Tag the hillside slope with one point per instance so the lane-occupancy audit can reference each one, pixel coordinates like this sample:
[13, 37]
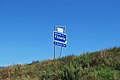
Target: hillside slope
[100, 65]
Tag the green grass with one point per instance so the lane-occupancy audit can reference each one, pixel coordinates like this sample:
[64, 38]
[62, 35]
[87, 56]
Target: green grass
[100, 65]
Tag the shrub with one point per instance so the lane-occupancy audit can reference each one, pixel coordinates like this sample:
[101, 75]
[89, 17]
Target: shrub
[70, 72]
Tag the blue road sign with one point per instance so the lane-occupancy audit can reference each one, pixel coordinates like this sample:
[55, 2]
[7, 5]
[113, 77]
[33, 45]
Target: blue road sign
[60, 37]
[60, 44]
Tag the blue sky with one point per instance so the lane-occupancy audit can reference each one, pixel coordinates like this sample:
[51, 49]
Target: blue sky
[26, 28]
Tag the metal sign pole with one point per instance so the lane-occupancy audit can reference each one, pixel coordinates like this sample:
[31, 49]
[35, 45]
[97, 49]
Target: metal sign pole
[54, 49]
[54, 44]
[61, 52]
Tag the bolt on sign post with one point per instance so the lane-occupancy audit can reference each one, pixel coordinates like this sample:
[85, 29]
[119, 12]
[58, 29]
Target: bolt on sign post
[60, 38]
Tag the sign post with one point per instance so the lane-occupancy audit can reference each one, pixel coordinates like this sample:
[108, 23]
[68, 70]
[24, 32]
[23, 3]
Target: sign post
[54, 46]
[61, 52]
[60, 38]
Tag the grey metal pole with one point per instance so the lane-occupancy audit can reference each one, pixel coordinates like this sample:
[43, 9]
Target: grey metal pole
[61, 52]
[54, 44]
[54, 49]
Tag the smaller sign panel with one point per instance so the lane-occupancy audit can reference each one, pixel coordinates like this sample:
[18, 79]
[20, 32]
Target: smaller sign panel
[60, 44]
[60, 30]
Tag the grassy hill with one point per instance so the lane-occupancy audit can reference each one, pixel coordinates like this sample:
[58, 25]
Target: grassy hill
[100, 65]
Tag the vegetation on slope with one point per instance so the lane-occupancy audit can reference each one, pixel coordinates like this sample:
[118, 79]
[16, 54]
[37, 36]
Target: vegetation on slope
[100, 65]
